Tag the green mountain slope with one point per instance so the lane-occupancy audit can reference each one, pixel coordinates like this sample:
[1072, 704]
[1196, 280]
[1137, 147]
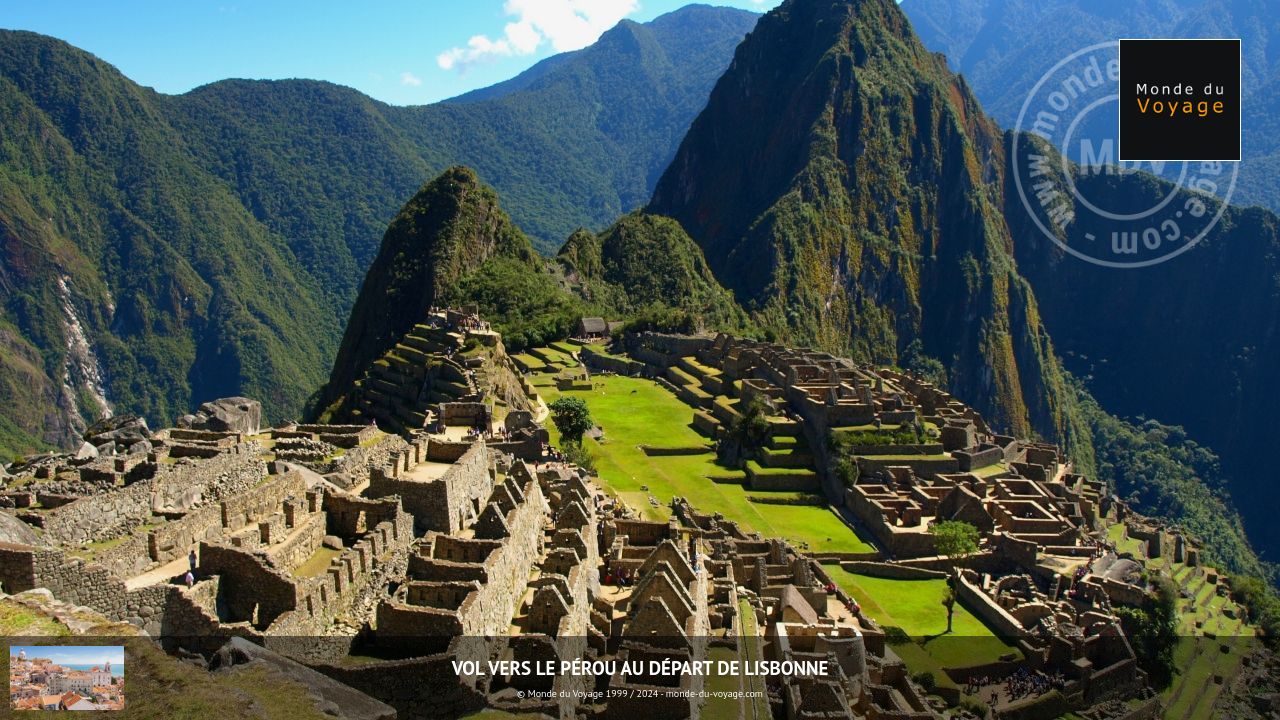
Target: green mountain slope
[1194, 340]
[854, 211]
[137, 276]
[1004, 46]
[645, 261]
[451, 226]
[160, 251]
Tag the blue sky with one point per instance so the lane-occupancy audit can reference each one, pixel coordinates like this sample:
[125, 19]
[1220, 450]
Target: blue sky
[401, 51]
[74, 654]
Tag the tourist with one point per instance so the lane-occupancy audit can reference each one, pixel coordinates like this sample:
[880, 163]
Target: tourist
[189, 579]
[191, 558]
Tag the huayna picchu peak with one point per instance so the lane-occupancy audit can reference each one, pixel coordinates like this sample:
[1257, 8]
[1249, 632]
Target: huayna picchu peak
[453, 225]
[839, 183]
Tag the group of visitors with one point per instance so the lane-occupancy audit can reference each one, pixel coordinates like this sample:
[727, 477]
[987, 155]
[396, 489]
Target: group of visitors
[849, 603]
[621, 578]
[190, 578]
[1019, 684]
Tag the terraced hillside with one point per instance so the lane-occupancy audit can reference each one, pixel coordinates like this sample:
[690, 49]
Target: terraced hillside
[653, 447]
[428, 366]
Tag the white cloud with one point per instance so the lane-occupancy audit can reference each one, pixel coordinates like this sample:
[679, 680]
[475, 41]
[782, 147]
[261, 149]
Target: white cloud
[408, 78]
[564, 24]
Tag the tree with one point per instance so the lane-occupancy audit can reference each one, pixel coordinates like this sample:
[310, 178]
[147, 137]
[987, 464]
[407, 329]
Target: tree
[1152, 631]
[572, 418]
[955, 540]
[747, 432]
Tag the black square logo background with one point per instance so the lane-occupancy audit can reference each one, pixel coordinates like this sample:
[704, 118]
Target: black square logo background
[1182, 136]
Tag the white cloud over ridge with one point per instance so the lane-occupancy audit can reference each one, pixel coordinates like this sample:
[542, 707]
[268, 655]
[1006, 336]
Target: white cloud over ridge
[565, 24]
[408, 78]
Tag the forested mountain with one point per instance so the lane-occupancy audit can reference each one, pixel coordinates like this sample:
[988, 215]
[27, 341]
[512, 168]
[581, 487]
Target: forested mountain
[131, 275]
[1193, 340]
[453, 244]
[853, 211]
[1002, 47]
[452, 226]
[161, 250]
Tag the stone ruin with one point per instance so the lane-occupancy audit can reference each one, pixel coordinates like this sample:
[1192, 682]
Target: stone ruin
[453, 539]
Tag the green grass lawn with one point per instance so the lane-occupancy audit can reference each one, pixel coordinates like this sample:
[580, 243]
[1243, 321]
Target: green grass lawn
[916, 607]
[532, 363]
[317, 564]
[990, 470]
[634, 412]
[18, 619]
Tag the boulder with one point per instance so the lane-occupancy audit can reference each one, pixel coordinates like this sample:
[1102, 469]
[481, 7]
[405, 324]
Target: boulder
[232, 414]
[331, 697]
[142, 446]
[312, 478]
[122, 430]
[13, 530]
[86, 452]
[333, 542]
[340, 479]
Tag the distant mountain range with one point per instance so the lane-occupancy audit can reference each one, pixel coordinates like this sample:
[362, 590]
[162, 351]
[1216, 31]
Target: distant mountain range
[1002, 47]
[1195, 340]
[161, 250]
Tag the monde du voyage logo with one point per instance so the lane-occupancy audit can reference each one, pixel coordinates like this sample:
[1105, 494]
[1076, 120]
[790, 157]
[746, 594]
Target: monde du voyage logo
[1107, 113]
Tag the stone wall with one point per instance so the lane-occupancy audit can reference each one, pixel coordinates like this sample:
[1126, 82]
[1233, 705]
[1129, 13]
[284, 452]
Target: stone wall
[109, 515]
[979, 458]
[610, 363]
[213, 520]
[352, 579]
[981, 605]
[227, 473]
[447, 452]
[895, 543]
[359, 461]
[249, 589]
[172, 539]
[443, 504]
[247, 508]
[300, 544]
[488, 609]
[129, 558]
[100, 517]
[351, 516]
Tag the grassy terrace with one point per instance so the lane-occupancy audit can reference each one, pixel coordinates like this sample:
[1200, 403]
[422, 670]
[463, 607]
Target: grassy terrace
[991, 470]
[635, 412]
[1211, 644]
[17, 619]
[317, 564]
[916, 607]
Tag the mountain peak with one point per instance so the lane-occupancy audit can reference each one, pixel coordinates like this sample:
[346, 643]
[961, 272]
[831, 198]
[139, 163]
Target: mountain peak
[852, 210]
[451, 225]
